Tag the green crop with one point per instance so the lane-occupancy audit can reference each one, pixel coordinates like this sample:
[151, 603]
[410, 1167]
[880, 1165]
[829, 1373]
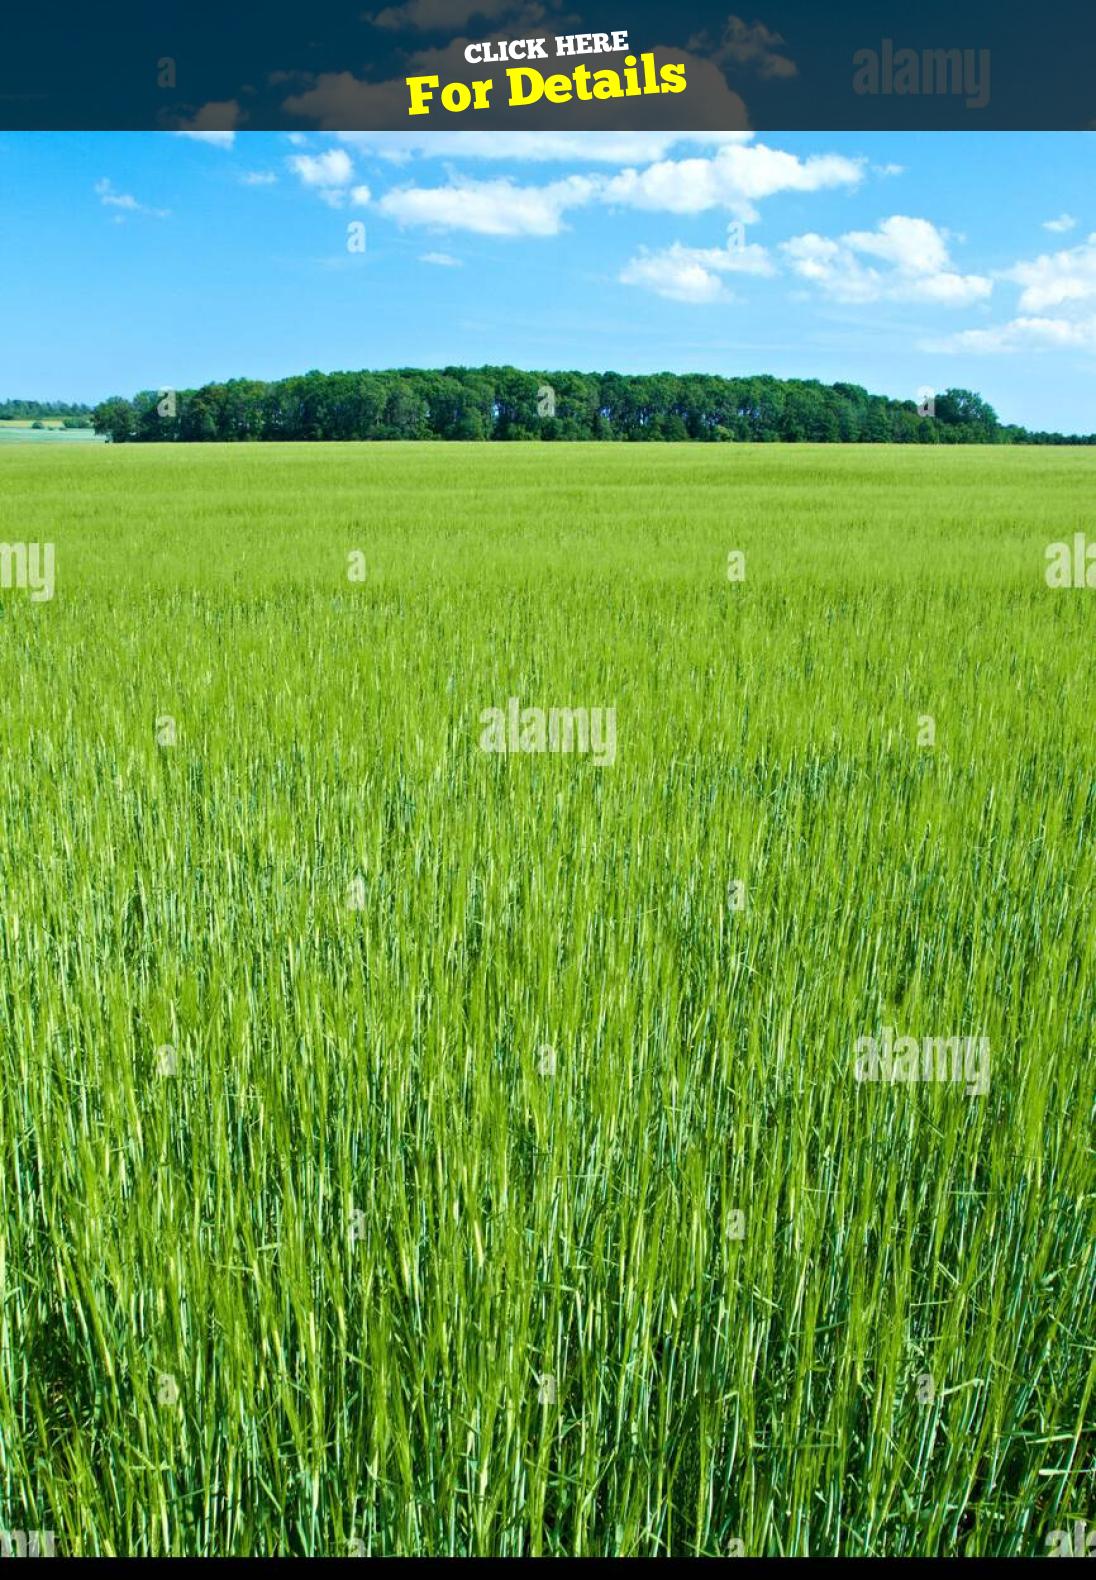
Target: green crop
[406, 1148]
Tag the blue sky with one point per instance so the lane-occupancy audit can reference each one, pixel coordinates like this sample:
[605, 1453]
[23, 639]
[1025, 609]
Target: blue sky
[893, 260]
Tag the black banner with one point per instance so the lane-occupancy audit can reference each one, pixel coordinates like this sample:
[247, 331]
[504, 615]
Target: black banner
[428, 65]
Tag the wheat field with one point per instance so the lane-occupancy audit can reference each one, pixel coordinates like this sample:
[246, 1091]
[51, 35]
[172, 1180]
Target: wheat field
[410, 1148]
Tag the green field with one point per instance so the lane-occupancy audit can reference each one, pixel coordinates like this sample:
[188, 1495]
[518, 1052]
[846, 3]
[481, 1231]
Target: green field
[51, 432]
[406, 1148]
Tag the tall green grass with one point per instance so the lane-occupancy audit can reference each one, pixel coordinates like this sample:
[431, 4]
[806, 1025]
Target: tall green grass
[363, 1274]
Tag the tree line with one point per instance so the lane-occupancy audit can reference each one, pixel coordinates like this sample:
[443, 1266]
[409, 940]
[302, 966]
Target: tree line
[70, 413]
[508, 404]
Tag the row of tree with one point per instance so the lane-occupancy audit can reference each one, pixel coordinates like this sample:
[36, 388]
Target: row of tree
[72, 414]
[506, 403]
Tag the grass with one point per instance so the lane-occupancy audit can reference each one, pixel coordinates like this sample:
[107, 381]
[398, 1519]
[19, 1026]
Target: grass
[364, 1274]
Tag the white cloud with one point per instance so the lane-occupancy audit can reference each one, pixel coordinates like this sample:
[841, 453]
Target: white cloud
[215, 139]
[491, 208]
[329, 175]
[918, 265]
[736, 178]
[674, 274]
[1065, 280]
[911, 245]
[124, 200]
[1064, 222]
[331, 169]
[693, 274]
[1055, 278]
[443, 260]
[593, 147]
[258, 178]
[1024, 334]
[111, 199]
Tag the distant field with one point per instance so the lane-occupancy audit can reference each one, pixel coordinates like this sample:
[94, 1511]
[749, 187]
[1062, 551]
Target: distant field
[408, 1148]
[15, 430]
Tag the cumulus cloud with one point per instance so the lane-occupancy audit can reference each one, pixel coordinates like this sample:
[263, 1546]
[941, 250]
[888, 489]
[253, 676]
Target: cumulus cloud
[491, 208]
[442, 260]
[330, 175]
[694, 274]
[331, 169]
[753, 47]
[215, 139]
[1055, 278]
[736, 177]
[1064, 222]
[916, 265]
[1024, 334]
[543, 147]
[258, 178]
[214, 123]
[1065, 281]
[125, 201]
